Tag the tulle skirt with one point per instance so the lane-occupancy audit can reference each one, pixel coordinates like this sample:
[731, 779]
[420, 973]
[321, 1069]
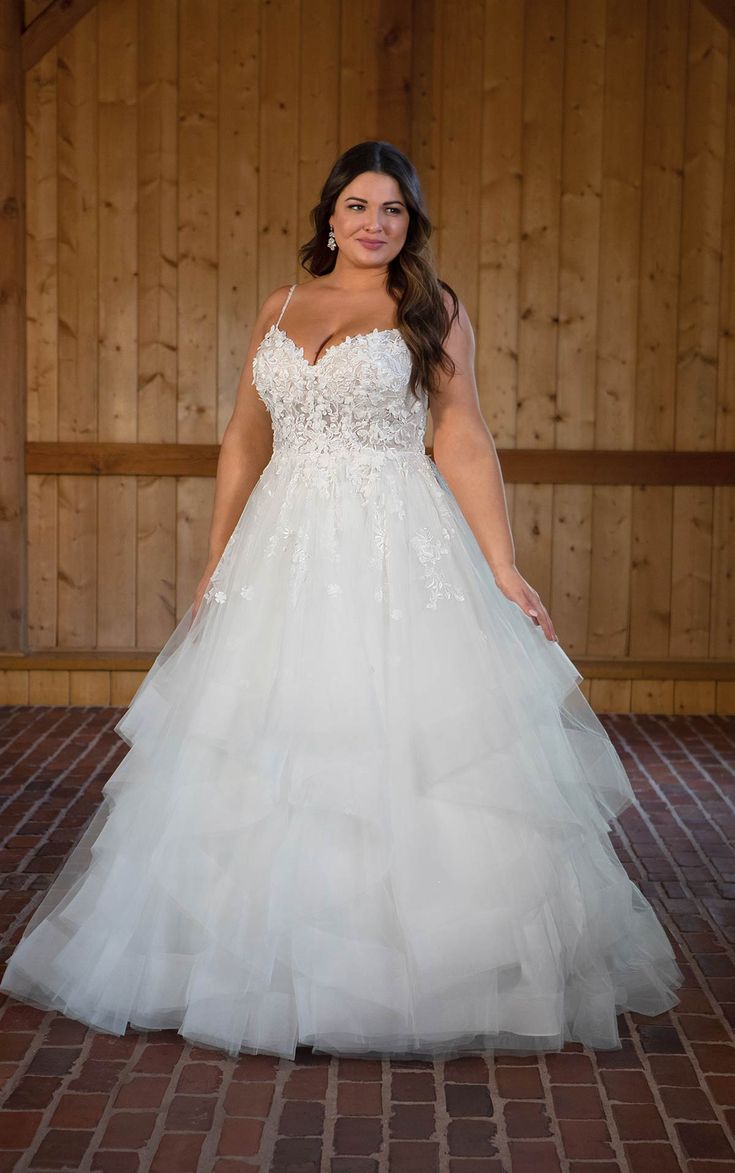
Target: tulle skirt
[365, 807]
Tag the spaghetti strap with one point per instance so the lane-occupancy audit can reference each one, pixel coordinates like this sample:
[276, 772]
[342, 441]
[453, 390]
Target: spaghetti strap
[283, 307]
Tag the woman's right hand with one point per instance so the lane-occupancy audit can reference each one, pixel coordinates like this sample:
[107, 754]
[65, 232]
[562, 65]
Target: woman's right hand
[203, 584]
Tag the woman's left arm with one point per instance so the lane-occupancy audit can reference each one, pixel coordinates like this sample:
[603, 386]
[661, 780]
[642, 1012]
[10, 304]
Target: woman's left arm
[465, 454]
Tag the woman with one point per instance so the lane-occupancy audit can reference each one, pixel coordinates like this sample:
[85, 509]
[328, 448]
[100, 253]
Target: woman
[366, 806]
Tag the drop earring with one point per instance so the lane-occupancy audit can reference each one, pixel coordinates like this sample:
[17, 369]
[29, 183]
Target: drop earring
[331, 242]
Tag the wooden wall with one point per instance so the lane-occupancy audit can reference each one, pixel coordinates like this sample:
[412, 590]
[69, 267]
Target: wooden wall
[578, 160]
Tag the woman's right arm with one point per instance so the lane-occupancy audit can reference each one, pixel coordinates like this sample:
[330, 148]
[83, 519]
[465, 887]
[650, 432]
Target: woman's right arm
[246, 448]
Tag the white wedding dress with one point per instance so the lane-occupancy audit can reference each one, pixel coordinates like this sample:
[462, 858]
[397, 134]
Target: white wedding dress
[365, 806]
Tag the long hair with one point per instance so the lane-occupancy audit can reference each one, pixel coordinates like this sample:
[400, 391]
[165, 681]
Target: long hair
[421, 314]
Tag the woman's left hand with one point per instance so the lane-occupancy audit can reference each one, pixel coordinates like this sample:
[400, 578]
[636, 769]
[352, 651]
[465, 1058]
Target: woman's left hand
[514, 587]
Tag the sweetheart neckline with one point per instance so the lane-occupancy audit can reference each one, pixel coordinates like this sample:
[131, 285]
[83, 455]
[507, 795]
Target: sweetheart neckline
[348, 338]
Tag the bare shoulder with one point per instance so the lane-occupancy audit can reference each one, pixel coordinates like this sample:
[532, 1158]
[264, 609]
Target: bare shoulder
[272, 306]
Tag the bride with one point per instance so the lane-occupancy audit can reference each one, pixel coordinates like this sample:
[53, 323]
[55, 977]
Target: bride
[366, 806]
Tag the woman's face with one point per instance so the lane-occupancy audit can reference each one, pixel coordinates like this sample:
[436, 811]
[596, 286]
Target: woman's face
[370, 220]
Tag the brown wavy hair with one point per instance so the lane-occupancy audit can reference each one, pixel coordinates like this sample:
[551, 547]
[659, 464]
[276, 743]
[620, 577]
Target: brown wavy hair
[422, 316]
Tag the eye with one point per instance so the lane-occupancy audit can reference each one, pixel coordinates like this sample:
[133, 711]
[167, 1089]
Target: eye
[355, 207]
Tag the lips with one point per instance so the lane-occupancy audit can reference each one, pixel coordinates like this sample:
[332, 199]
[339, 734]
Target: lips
[371, 243]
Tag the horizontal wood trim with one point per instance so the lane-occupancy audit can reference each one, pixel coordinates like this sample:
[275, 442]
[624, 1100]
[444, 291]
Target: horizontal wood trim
[53, 23]
[593, 667]
[560, 466]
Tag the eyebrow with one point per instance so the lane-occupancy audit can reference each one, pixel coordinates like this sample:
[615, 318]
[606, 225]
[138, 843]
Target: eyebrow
[364, 201]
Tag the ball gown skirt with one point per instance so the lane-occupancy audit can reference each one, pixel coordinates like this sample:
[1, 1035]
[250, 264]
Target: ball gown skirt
[365, 805]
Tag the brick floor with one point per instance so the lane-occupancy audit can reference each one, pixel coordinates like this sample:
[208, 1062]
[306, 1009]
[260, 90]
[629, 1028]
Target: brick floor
[72, 1099]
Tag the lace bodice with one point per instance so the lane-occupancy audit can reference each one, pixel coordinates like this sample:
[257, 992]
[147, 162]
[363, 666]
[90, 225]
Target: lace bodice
[355, 397]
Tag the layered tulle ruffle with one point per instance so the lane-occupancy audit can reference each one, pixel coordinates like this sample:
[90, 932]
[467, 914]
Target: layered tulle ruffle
[365, 806]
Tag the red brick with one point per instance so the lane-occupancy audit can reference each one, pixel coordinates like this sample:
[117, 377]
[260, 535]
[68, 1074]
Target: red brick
[240, 1137]
[17, 1129]
[14, 1046]
[53, 1060]
[577, 1102]
[255, 1067]
[360, 1069]
[473, 1138]
[468, 1069]
[722, 1088]
[128, 1130]
[525, 1119]
[415, 1086]
[673, 1071]
[301, 1118]
[178, 1151]
[61, 1148]
[594, 1167]
[651, 1158]
[142, 1091]
[76, 1110]
[639, 1122]
[468, 1099]
[22, 1017]
[159, 1058]
[297, 1153]
[467, 1165]
[115, 1161]
[588, 1139]
[202, 1078]
[569, 1068]
[528, 1156]
[626, 1057]
[519, 1083]
[703, 1028]
[357, 1135]
[631, 1087]
[34, 1091]
[306, 1083]
[249, 1099]
[412, 1121]
[413, 1156]
[112, 1047]
[704, 1140]
[356, 1165]
[687, 1103]
[190, 1114]
[97, 1076]
[359, 1099]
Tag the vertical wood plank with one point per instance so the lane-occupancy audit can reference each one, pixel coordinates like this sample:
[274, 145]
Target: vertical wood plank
[543, 65]
[41, 345]
[657, 320]
[198, 260]
[319, 104]
[42, 504]
[722, 612]
[461, 151]
[194, 498]
[118, 344]
[78, 327]
[157, 315]
[579, 234]
[624, 88]
[237, 195]
[696, 382]
[41, 250]
[279, 144]
[500, 218]
[12, 332]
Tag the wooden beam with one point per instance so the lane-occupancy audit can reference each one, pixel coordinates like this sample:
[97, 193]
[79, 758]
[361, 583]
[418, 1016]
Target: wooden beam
[48, 28]
[724, 10]
[12, 329]
[597, 667]
[520, 466]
